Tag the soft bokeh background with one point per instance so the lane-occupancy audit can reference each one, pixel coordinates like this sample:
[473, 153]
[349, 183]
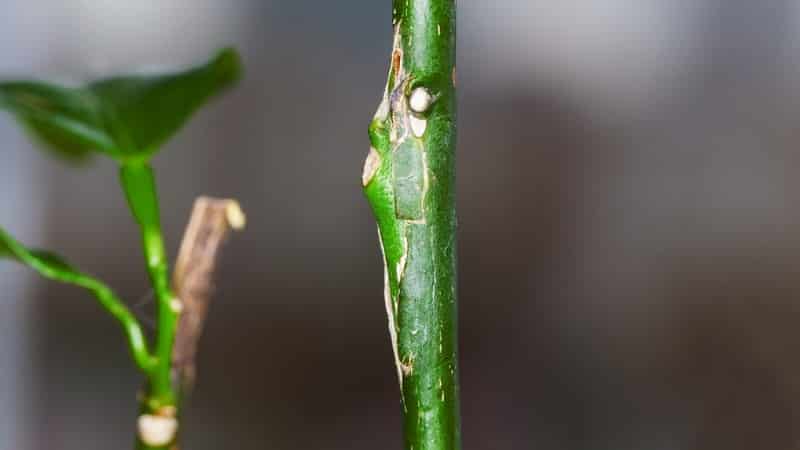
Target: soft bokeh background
[629, 226]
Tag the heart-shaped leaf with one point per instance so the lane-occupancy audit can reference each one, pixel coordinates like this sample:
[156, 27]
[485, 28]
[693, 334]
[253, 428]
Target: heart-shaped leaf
[127, 118]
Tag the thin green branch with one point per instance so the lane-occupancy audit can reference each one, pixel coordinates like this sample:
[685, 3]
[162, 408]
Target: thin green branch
[138, 183]
[408, 179]
[53, 267]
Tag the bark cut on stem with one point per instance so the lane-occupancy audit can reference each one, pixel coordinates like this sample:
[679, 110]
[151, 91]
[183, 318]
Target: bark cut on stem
[408, 178]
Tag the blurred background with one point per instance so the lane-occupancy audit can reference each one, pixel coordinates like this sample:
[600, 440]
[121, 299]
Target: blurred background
[629, 226]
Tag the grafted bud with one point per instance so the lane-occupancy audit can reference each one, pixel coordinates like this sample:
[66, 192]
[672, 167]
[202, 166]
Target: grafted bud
[420, 100]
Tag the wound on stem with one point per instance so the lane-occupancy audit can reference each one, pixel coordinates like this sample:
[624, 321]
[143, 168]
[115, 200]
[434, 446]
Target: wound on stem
[408, 179]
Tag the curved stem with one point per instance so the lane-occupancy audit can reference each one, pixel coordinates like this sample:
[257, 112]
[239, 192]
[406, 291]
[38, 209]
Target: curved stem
[409, 179]
[52, 267]
[138, 183]
[133, 330]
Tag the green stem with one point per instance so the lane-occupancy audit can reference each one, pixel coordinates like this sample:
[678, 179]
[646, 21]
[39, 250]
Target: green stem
[409, 179]
[138, 183]
[54, 268]
[115, 306]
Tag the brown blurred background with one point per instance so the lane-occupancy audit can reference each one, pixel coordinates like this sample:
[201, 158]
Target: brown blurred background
[629, 227]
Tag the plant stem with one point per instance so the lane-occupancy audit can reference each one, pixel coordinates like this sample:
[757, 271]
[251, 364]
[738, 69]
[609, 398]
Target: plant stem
[140, 191]
[136, 340]
[409, 179]
[53, 267]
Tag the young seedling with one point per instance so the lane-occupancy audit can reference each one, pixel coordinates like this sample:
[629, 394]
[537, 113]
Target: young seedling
[128, 119]
[408, 178]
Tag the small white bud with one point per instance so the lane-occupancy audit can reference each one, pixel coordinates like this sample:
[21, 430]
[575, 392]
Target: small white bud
[420, 100]
[157, 431]
[176, 305]
[235, 215]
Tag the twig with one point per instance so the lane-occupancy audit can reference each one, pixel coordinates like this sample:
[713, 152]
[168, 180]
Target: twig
[211, 221]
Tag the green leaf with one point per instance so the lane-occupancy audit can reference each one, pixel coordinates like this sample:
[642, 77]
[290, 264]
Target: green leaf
[65, 119]
[5, 250]
[127, 118]
[58, 141]
[151, 109]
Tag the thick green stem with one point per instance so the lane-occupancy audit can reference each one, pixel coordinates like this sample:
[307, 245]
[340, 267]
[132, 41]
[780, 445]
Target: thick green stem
[409, 180]
[139, 185]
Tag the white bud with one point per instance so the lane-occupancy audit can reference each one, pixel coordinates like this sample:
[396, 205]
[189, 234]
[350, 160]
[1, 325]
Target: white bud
[420, 100]
[235, 215]
[157, 431]
[176, 305]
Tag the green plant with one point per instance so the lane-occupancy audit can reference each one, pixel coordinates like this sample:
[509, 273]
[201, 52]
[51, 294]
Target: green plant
[128, 119]
[408, 179]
